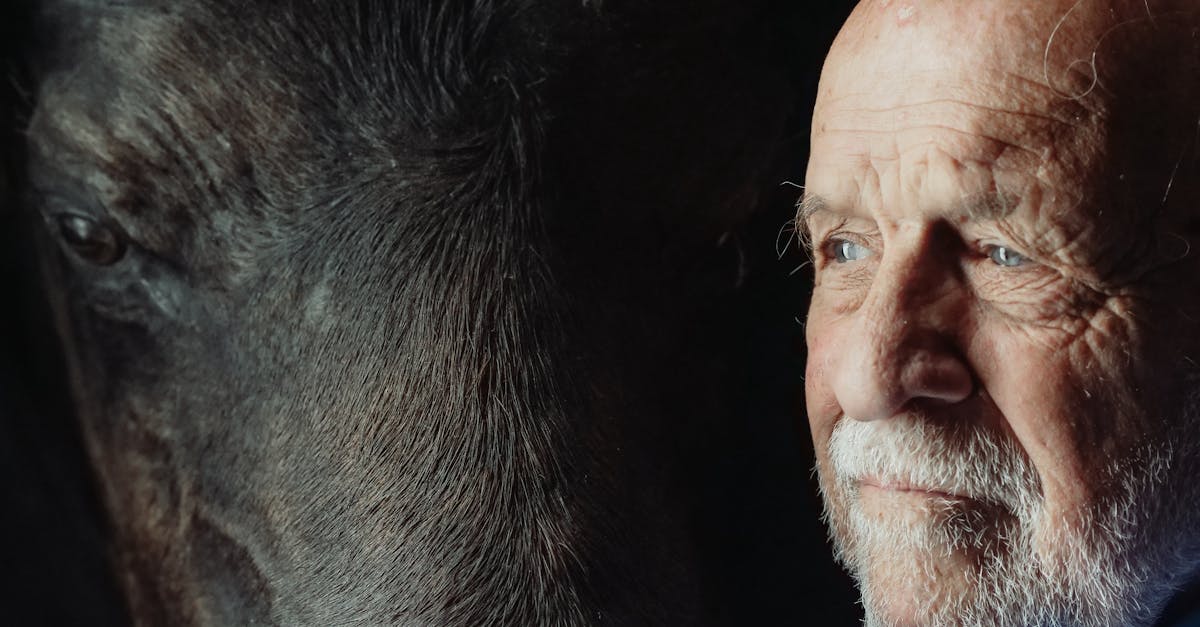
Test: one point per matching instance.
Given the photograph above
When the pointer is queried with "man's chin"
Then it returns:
(909, 575)
(921, 557)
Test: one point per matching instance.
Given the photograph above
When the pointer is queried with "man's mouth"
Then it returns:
(904, 487)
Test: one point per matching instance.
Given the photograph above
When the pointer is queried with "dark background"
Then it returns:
(762, 521)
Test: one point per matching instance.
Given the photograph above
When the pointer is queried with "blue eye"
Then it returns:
(1005, 256)
(845, 251)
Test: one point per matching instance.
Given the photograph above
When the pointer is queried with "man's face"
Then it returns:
(1000, 381)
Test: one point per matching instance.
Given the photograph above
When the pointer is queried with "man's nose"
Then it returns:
(901, 351)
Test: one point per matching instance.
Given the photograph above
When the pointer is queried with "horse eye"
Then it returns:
(91, 240)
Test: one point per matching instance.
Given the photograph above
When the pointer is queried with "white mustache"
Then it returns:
(913, 452)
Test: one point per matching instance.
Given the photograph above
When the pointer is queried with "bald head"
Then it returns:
(1002, 199)
(1124, 75)
(1053, 41)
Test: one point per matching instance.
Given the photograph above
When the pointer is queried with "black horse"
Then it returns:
(400, 312)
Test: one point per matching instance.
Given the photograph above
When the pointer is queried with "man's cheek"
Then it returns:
(1039, 396)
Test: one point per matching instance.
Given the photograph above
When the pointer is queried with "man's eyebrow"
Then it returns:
(809, 204)
(991, 205)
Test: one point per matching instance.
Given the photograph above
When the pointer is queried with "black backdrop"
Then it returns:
(763, 519)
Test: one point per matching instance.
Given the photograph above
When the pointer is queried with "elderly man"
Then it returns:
(1003, 385)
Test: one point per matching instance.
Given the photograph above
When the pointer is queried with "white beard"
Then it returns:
(1116, 568)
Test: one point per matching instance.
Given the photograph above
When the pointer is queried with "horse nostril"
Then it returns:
(91, 240)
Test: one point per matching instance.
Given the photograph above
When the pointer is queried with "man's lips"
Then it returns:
(905, 487)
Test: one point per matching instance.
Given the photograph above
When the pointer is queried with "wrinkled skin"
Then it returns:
(371, 313)
(1002, 234)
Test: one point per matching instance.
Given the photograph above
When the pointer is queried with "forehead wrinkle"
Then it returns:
(1009, 127)
(1056, 115)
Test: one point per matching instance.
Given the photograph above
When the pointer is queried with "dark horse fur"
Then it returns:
(385, 312)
